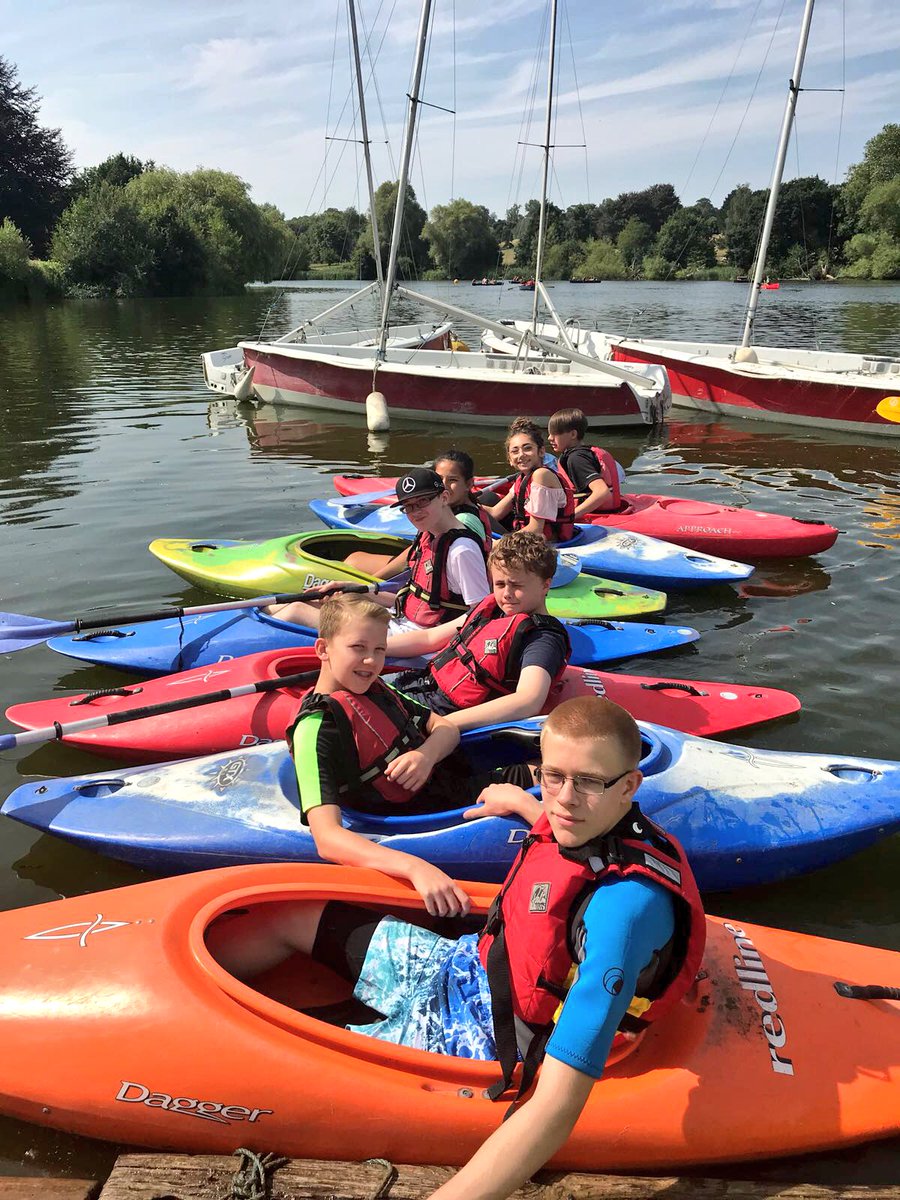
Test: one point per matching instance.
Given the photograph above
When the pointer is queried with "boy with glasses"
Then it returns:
(600, 912)
(446, 561)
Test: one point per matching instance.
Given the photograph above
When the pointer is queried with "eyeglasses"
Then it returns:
(584, 785)
(416, 506)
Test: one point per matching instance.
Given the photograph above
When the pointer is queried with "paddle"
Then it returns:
(889, 408)
(18, 631)
(56, 732)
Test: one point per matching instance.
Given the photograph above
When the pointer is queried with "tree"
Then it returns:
(804, 218)
(579, 222)
(102, 244)
(118, 169)
(526, 250)
(330, 235)
(15, 253)
(743, 211)
(413, 253)
(880, 164)
(635, 240)
(875, 252)
(601, 261)
(460, 238)
(35, 164)
(562, 259)
(685, 241)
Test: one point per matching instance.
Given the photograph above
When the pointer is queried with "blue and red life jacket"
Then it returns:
(375, 728)
(427, 598)
(534, 933)
(484, 659)
(562, 527)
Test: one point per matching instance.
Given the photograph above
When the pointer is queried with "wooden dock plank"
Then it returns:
(39, 1187)
(202, 1176)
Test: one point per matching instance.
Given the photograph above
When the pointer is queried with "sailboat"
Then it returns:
(422, 382)
(855, 393)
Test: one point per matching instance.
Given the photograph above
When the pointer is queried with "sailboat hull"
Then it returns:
(438, 386)
(761, 391)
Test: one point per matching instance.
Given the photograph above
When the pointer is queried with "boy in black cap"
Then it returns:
(446, 562)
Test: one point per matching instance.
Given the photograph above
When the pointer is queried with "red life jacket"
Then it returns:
(484, 659)
(562, 529)
(534, 932)
(609, 473)
(470, 506)
(427, 599)
(375, 728)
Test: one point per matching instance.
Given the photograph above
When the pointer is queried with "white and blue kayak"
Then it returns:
(744, 816)
(177, 643)
(596, 549)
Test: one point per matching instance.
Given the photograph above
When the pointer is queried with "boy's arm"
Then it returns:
(397, 564)
(598, 494)
(423, 641)
(521, 1145)
(412, 769)
(505, 800)
(526, 701)
(443, 897)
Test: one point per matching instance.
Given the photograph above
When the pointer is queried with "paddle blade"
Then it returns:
(18, 632)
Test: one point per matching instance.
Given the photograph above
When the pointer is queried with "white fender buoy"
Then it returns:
(745, 354)
(243, 389)
(378, 419)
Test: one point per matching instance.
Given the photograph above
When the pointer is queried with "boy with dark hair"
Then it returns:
(600, 910)
(591, 471)
(503, 659)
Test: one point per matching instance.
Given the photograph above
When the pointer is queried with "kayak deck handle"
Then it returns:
(665, 684)
(199, 547)
(853, 773)
(99, 787)
(99, 633)
(593, 621)
(100, 692)
(867, 991)
(607, 591)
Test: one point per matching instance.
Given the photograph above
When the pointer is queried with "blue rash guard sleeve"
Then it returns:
(626, 921)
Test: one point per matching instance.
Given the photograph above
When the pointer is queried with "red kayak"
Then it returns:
(692, 706)
(742, 533)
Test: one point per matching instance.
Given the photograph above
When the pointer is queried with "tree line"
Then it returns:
(129, 228)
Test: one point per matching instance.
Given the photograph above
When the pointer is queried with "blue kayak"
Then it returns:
(167, 645)
(596, 549)
(744, 816)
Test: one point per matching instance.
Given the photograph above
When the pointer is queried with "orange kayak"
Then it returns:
(142, 1038)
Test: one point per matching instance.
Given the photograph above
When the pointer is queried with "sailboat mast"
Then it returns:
(404, 174)
(775, 185)
(351, 8)
(542, 220)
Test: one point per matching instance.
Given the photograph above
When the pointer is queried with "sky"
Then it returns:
(689, 92)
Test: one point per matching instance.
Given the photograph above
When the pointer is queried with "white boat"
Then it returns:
(419, 381)
(854, 393)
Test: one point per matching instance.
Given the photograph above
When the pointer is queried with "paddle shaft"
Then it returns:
(56, 731)
(18, 632)
(197, 609)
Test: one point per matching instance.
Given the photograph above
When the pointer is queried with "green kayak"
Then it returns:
(307, 560)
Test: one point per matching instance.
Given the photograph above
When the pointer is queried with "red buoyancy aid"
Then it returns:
(375, 728)
(484, 659)
(533, 931)
(609, 473)
(562, 529)
(470, 506)
(427, 598)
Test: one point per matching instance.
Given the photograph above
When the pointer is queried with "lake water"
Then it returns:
(110, 439)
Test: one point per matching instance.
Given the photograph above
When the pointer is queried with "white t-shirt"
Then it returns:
(466, 575)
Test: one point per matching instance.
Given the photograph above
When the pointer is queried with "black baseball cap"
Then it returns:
(420, 481)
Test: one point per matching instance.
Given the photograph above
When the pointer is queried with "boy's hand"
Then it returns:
(443, 898)
(411, 770)
(503, 800)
